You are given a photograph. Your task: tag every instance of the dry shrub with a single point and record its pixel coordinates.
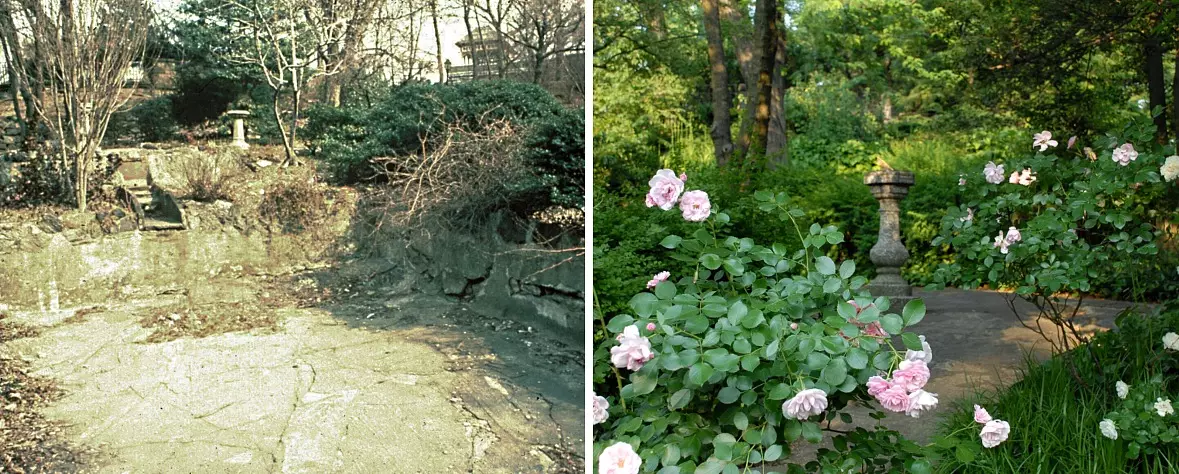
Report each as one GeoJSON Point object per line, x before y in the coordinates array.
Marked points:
{"type": "Point", "coordinates": [207, 175]}
{"type": "Point", "coordinates": [457, 178]}
{"type": "Point", "coordinates": [176, 322]}
{"type": "Point", "coordinates": [296, 202]}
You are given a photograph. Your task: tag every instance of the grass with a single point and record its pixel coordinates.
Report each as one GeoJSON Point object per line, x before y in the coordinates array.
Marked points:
{"type": "Point", "coordinates": [1054, 417]}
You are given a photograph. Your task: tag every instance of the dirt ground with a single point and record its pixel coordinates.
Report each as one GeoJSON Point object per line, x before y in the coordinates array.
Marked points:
{"type": "Point", "coordinates": [341, 375]}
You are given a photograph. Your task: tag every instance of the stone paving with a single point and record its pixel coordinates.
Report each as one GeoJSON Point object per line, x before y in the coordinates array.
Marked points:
{"type": "Point", "coordinates": [977, 344]}
{"type": "Point", "coordinates": [412, 384]}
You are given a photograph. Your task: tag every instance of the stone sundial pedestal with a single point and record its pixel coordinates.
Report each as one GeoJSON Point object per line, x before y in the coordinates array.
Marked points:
{"type": "Point", "coordinates": [239, 127]}
{"type": "Point", "coordinates": [889, 187]}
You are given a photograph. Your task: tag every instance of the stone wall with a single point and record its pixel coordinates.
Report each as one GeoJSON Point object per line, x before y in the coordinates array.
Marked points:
{"type": "Point", "coordinates": [520, 281]}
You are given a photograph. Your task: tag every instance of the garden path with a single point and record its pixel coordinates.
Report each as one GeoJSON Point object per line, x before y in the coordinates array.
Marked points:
{"type": "Point", "coordinates": [366, 384]}
{"type": "Point", "coordinates": [977, 344]}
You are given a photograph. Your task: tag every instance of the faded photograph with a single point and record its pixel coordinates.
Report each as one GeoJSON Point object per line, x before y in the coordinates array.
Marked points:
{"type": "Point", "coordinates": [298, 236]}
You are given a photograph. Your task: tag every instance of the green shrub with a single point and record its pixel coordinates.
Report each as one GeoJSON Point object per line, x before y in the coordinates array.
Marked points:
{"type": "Point", "coordinates": [412, 114]}
{"type": "Point", "coordinates": [1054, 419]}
{"type": "Point", "coordinates": [555, 152]}
{"type": "Point", "coordinates": [154, 120]}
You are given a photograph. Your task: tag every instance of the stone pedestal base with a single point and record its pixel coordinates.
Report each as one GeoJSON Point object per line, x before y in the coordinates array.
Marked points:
{"type": "Point", "coordinates": [893, 286]}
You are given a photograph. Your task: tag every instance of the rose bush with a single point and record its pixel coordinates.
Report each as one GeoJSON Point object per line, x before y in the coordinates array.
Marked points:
{"type": "Point", "coordinates": [753, 349]}
{"type": "Point", "coordinates": [1066, 221]}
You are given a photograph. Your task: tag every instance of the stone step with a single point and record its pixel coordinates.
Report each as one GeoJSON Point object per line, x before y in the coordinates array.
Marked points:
{"type": "Point", "coordinates": [154, 224]}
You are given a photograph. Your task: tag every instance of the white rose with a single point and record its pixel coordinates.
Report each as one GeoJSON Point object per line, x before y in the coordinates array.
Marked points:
{"type": "Point", "coordinates": [1122, 389]}
{"type": "Point", "coordinates": [920, 401]}
{"type": "Point", "coordinates": [1170, 169]}
{"type": "Point", "coordinates": [1108, 429]}
{"type": "Point", "coordinates": [600, 407]}
{"type": "Point", "coordinates": [806, 403]}
{"type": "Point", "coordinates": [1171, 341]}
{"type": "Point", "coordinates": [994, 432]}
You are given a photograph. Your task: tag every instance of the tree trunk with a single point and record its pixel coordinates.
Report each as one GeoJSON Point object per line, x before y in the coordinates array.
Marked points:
{"type": "Point", "coordinates": [1156, 86]}
{"type": "Point", "coordinates": [470, 38]}
{"type": "Point", "coordinates": [1175, 96]}
{"type": "Point", "coordinates": [776, 139]}
{"type": "Point", "coordinates": [437, 41]}
{"type": "Point", "coordinates": [721, 121]}
{"type": "Point", "coordinates": [287, 146]}
{"type": "Point", "coordinates": [767, 12]}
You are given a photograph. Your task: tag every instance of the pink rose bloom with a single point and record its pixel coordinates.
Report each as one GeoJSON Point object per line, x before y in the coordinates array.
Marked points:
{"type": "Point", "coordinates": [794, 326]}
{"type": "Point", "coordinates": [599, 409]}
{"type": "Point", "coordinates": [657, 279]}
{"type": "Point", "coordinates": [981, 415]}
{"type": "Point", "coordinates": [1124, 154]}
{"type": "Point", "coordinates": [925, 354]}
{"type": "Point", "coordinates": [968, 217]}
{"type": "Point", "coordinates": [877, 385]}
{"type": "Point", "coordinates": [632, 350]}
{"type": "Point", "coordinates": [650, 326]}
{"type": "Point", "coordinates": [684, 177]}
{"type": "Point", "coordinates": [1025, 177]}
{"type": "Point", "coordinates": [1072, 141]}
{"type": "Point", "coordinates": [1002, 243]}
{"type": "Point", "coordinates": [695, 206]}
{"type": "Point", "coordinates": [920, 401]}
{"type": "Point", "coordinates": [806, 403]}
{"type": "Point", "coordinates": [894, 399]}
{"type": "Point", "coordinates": [993, 173]}
{"type": "Point", "coordinates": [665, 190]}
{"type": "Point", "coordinates": [994, 432]}
{"type": "Point", "coordinates": [961, 181]}
{"type": "Point", "coordinates": [619, 458]}
{"type": "Point", "coordinates": [1043, 140]}
{"type": "Point", "coordinates": [912, 375]}
{"type": "Point", "coordinates": [1013, 235]}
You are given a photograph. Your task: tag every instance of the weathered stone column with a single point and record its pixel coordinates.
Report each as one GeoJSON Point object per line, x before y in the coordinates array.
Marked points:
{"type": "Point", "coordinates": [239, 127]}
{"type": "Point", "coordinates": [889, 254]}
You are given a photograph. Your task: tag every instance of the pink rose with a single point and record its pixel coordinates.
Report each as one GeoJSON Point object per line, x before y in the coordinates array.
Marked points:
{"type": "Point", "coordinates": [794, 326]}
{"type": "Point", "coordinates": [1072, 141]}
{"type": "Point", "coordinates": [874, 329]}
{"type": "Point", "coordinates": [993, 173]}
{"type": "Point", "coordinates": [650, 326]}
{"type": "Point", "coordinates": [961, 181]}
{"type": "Point", "coordinates": [981, 415]}
{"type": "Point", "coordinates": [1124, 154]}
{"type": "Point", "coordinates": [684, 177]}
{"type": "Point", "coordinates": [1025, 177]}
{"type": "Point", "coordinates": [619, 458]}
{"type": "Point", "coordinates": [665, 190]}
{"type": "Point", "coordinates": [994, 432]}
{"type": "Point", "coordinates": [695, 206]}
{"type": "Point", "coordinates": [894, 399]}
{"type": "Point", "coordinates": [877, 385]}
{"type": "Point", "coordinates": [1043, 140]}
{"type": "Point", "coordinates": [806, 403]}
{"type": "Point", "coordinates": [1002, 243]}
{"type": "Point", "coordinates": [912, 375]}
{"type": "Point", "coordinates": [632, 350]}
{"type": "Point", "coordinates": [921, 401]}
{"type": "Point", "coordinates": [599, 409]}
{"type": "Point", "coordinates": [1013, 235]}
{"type": "Point", "coordinates": [657, 279]}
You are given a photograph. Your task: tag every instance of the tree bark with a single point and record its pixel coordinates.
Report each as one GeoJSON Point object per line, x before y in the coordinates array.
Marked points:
{"type": "Point", "coordinates": [1175, 96]}
{"type": "Point", "coordinates": [767, 12]}
{"type": "Point", "coordinates": [721, 121]}
{"type": "Point", "coordinates": [776, 139]}
{"type": "Point", "coordinates": [1156, 85]}
{"type": "Point", "coordinates": [437, 41]}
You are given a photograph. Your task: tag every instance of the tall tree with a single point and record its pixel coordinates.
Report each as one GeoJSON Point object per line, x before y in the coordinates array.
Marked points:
{"type": "Point", "coordinates": [544, 29]}
{"type": "Point", "coordinates": [721, 130]}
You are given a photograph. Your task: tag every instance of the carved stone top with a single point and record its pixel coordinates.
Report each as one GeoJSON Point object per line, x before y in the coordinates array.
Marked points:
{"type": "Point", "coordinates": [238, 113]}
{"type": "Point", "coordinates": [895, 177]}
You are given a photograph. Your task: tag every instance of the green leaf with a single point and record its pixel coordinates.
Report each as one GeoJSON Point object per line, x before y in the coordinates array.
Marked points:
{"type": "Point", "coordinates": [857, 358]}
{"type": "Point", "coordinates": [643, 383]}
{"type": "Point", "coordinates": [964, 454]}
{"type": "Point", "coordinates": [825, 265]}
{"type": "Point", "coordinates": [835, 372]}
{"type": "Point", "coordinates": [921, 466]}
{"type": "Point", "coordinates": [773, 453]}
{"type": "Point", "coordinates": [620, 322]}
{"type": "Point", "coordinates": [712, 466]}
{"type": "Point", "coordinates": [671, 241]}
{"type": "Point", "coordinates": [846, 310]}
{"type": "Point", "coordinates": [892, 324]}
{"type": "Point", "coordinates": [811, 432]}
{"type": "Point", "coordinates": [728, 395]}
{"type": "Point", "coordinates": [644, 304]}
{"type": "Point", "coordinates": [737, 312]}
{"type": "Point", "coordinates": [772, 349]}
{"type": "Point", "coordinates": [846, 269]}
{"type": "Point", "coordinates": [679, 399]}
{"type": "Point", "coordinates": [741, 421]}
{"type": "Point", "coordinates": [671, 454]}
{"type": "Point", "coordinates": [779, 392]}
{"type": "Point", "coordinates": [914, 312]}
{"type": "Point", "coordinates": [832, 285]}
{"type": "Point", "coordinates": [750, 362]}
{"type": "Point", "coordinates": [710, 261]}
{"type": "Point", "coordinates": [665, 290]}
{"type": "Point", "coordinates": [700, 373]}
{"type": "Point", "coordinates": [911, 341]}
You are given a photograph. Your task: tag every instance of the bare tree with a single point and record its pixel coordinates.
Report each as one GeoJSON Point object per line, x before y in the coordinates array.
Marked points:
{"type": "Point", "coordinates": [497, 13]}
{"type": "Point", "coordinates": [351, 19]}
{"type": "Point", "coordinates": [75, 78]}
{"type": "Point", "coordinates": [547, 28]}
{"type": "Point", "coordinates": [284, 39]}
